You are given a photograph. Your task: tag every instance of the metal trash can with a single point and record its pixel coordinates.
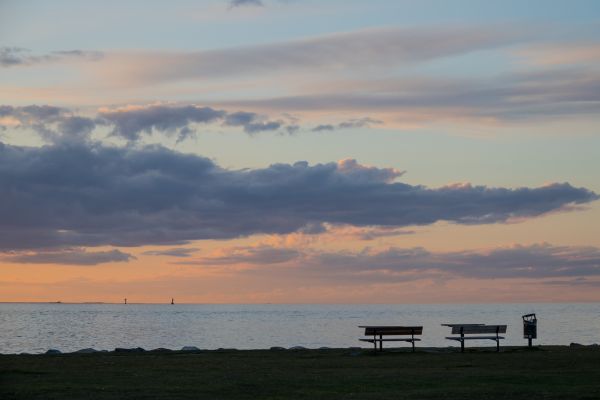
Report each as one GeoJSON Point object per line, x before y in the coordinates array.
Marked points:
{"type": "Point", "coordinates": [529, 327]}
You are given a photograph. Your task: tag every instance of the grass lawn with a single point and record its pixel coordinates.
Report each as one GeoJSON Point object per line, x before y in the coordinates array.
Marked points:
{"type": "Point", "coordinates": [545, 373]}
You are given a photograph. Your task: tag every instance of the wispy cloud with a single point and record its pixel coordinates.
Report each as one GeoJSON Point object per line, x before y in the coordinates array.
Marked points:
{"type": "Point", "coordinates": [240, 3]}
{"type": "Point", "coordinates": [76, 256]}
{"type": "Point", "coordinates": [18, 56]}
{"type": "Point", "coordinates": [536, 261]}
{"type": "Point", "coordinates": [259, 255]}
{"type": "Point", "coordinates": [510, 97]}
{"type": "Point", "coordinates": [180, 252]}
{"type": "Point", "coordinates": [384, 48]}
{"type": "Point", "coordinates": [349, 124]}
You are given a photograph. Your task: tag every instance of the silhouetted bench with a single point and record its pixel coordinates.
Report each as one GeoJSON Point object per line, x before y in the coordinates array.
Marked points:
{"type": "Point", "coordinates": [378, 333]}
{"type": "Point", "coordinates": [476, 329]}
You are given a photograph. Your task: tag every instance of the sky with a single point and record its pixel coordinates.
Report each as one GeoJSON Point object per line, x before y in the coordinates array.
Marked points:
{"type": "Point", "coordinates": [300, 151]}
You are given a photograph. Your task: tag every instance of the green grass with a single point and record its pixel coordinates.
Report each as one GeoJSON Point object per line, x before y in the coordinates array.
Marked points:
{"type": "Point", "coordinates": [546, 373]}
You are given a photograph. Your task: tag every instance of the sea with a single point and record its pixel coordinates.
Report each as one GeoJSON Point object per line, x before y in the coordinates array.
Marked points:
{"type": "Point", "coordinates": [37, 327]}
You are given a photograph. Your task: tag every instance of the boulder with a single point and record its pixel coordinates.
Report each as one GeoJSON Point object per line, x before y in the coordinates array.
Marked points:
{"type": "Point", "coordinates": [298, 348]}
{"type": "Point", "coordinates": [53, 351]}
{"type": "Point", "coordinates": [86, 351]}
{"type": "Point", "coordinates": [190, 348]}
{"type": "Point", "coordinates": [135, 350]}
{"type": "Point", "coordinates": [575, 345]}
{"type": "Point", "coordinates": [161, 350]}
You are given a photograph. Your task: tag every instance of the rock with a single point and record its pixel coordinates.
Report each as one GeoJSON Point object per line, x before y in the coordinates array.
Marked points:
{"type": "Point", "coordinates": [277, 348]}
{"type": "Point", "coordinates": [190, 348]}
{"type": "Point", "coordinates": [161, 349]}
{"type": "Point", "coordinates": [86, 351]}
{"type": "Point", "coordinates": [575, 345]}
{"type": "Point", "coordinates": [298, 348]}
{"type": "Point", "coordinates": [53, 351]}
{"type": "Point", "coordinates": [136, 350]}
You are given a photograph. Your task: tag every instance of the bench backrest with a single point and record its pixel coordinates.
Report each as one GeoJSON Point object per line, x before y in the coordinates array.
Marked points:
{"type": "Point", "coordinates": [466, 329]}
{"type": "Point", "coordinates": [393, 330]}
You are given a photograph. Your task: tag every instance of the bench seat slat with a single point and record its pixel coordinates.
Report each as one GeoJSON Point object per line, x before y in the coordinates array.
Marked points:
{"type": "Point", "coordinates": [387, 340]}
{"type": "Point", "coordinates": [469, 329]}
{"type": "Point", "coordinates": [473, 337]}
{"type": "Point", "coordinates": [393, 330]}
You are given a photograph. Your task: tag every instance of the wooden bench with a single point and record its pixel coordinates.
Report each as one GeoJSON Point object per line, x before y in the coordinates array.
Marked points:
{"type": "Point", "coordinates": [476, 329]}
{"type": "Point", "coordinates": [378, 333]}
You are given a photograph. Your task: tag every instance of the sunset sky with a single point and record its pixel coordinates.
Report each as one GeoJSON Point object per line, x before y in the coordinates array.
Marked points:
{"type": "Point", "coordinates": [300, 151]}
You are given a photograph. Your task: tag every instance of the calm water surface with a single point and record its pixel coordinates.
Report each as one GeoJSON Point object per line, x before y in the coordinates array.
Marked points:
{"type": "Point", "coordinates": [34, 328]}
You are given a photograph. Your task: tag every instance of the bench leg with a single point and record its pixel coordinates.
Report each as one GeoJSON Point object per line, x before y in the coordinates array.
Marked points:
{"type": "Point", "coordinates": [413, 345]}
{"type": "Point", "coordinates": [462, 346]}
{"type": "Point", "coordinates": [497, 345]}
{"type": "Point", "coordinates": [380, 343]}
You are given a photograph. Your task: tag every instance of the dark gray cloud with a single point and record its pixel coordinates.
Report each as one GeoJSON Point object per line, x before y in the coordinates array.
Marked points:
{"type": "Point", "coordinates": [69, 257]}
{"type": "Point", "coordinates": [18, 56]}
{"type": "Point", "coordinates": [358, 123]}
{"type": "Point", "coordinates": [83, 194]}
{"type": "Point", "coordinates": [52, 123]}
{"type": "Point", "coordinates": [172, 120]}
{"type": "Point", "coordinates": [349, 124]}
{"type": "Point", "coordinates": [252, 122]}
{"type": "Point", "coordinates": [182, 252]}
{"type": "Point", "coordinates": [530, 262]}
{"type": "Point", "coordinates": [33, 114]}
{"type": "Point", "coordinates": [323, 127]}
{"type": "Point", "coordinates": [240, 3]}
{"type": "Point", "coordinates": [56, 124]}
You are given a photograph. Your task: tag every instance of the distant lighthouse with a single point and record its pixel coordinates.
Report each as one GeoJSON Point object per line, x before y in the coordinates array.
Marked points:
{"type": "Point", "coordinates": [172, 300]}
{"type": "Point", "coordinates": [125, 301]}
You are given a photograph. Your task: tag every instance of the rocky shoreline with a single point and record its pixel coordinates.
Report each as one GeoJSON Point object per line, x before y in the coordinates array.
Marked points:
{"type": "Point", "coordinates": [194, 349]}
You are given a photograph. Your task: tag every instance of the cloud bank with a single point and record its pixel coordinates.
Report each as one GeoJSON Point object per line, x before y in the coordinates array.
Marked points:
{"type": "Point", "coordinates": [80, 194]}
{"type": "Point", "coordinates": [536, 261]}
{"type": "Point", "coordinates": [131, 123]}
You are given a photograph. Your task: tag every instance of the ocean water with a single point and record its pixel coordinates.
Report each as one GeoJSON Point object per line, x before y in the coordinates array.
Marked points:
{"type": "Point", "coordinates": [34, 328]}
